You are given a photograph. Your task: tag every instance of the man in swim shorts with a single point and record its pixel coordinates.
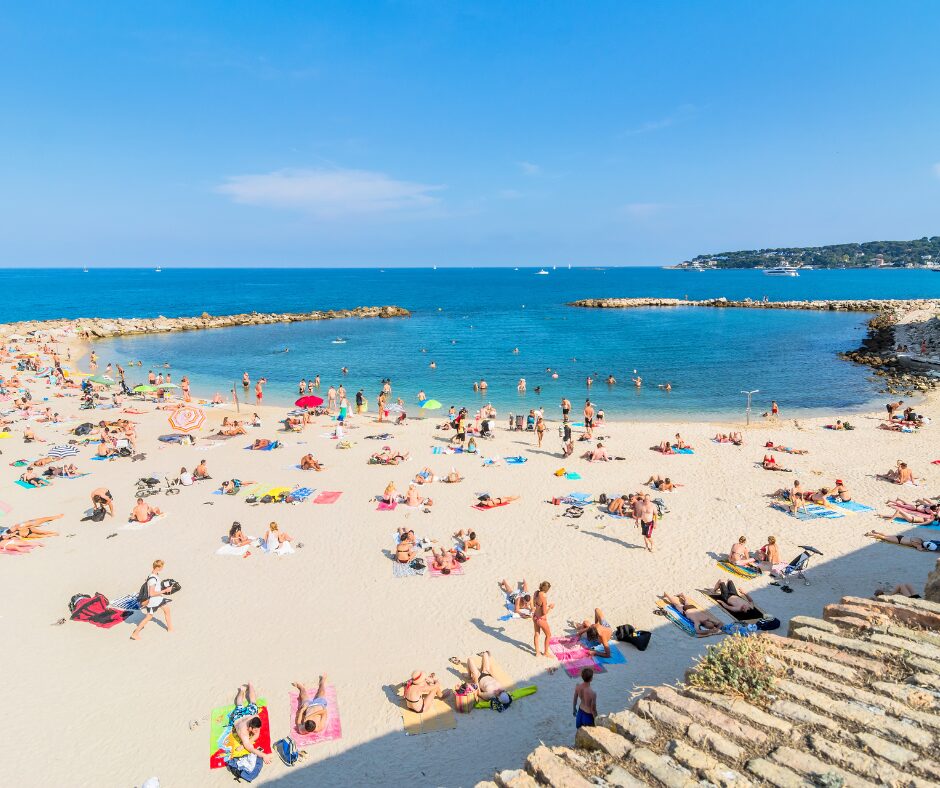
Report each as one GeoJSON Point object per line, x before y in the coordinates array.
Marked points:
{"type": "Point", "coordinates": [245, 721]}
{"type": "Point", "coordinates": [312, 710]}
{"type": "Point", "coordinates": [598, 633]}
{"type": "Point", "coordinates": [489, 687]}
{"type": "Point", "coordinates": [585, 700]}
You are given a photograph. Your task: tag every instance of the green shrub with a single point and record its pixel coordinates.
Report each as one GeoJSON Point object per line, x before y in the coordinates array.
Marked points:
{"type": "Point", "coordinates": [738, 665]}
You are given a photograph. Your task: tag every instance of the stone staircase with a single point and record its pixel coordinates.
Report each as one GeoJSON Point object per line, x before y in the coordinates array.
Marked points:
{"type": "Point", "coordinates": [857, 703]}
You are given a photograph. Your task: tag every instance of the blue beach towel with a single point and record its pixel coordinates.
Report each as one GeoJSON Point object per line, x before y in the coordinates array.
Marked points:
{"type": "Point", "coordinates": [26, 486]}
{"type": "Point", "coordinates": [683, 451]}
{"type": "Point", "coordinates": [271, 445]}
{"type": "Point", "coordinates": [301, 493]}
{"type": "Point", "coordinates": [616, 655]}
{"type": "Point", "coordinates": [850, 506]}
{"type": "Point", "coordinates": [96, 458]}
{"type": "Point", "coordinates": [436, 450]}
{"type": "Point", "coordinates": [573, 476]}
{"type": "Point", "coordinates": [517, 460]}
{"type": "Point", "coordinates": [902, 521]}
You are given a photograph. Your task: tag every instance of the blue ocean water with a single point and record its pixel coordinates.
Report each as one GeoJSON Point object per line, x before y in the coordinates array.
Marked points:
{"type": "Point", "coordinates": [469, 321]}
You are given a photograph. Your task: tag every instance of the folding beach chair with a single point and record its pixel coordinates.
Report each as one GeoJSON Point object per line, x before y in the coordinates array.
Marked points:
{"type": "Point", "coordinates": [797, 566]}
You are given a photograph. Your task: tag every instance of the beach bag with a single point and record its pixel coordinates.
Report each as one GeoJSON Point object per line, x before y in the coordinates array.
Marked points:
{"type": "Point", "coordinates": [266, 499]}
{"type": "Point", "coordinates": [417, 563]}
{"type": "Point", "coordinates": [83, 429]}
{"type": "Point", "coordinates": [246, 768]}
{"type": "Point", "coordinates": [767, 624]}
{"type": "Point", "coordinates": [602, 499]}
{"type": "Point", "coordinates": [73, 602]}
{"type": "Point", "coordinates": [574, 512]}
{"type": "Point", "coordinates": [637, 638]}
{"type": "Point", "coordinates": [465, 697]}
{"type": "Point", "coordinates": [287, 750]}
{"type": "Point", "coordinates": [97, 515]}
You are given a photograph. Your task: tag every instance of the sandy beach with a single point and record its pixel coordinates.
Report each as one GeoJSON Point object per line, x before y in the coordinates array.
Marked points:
{"type": "Point", "coordinates": [141, 709]}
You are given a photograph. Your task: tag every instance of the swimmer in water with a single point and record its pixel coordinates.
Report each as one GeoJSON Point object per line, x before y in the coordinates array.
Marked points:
{"type": "Point", "coordinates": [433, 365]}
{"type": "Point", "coordinates": [515, 350]}
{"type": "Point", "coordinates": [666, 386]}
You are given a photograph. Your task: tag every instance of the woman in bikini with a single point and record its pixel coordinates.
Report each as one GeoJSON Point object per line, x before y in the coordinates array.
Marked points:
{"type": "Point", "coordinates": [418, 689]}
{"type": "Point", "coordinates": [404, 550]}
{"type": "Point", "coordinates": [235, 536]}
{"type": "Point", "coordinates": [486, 502]}
{"type": "Point", "coordinates": [540, 609]}
{"type": "Point", "coordinates": [924, 545]}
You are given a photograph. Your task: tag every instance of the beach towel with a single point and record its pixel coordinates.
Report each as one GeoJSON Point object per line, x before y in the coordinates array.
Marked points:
{"type": "Point", "coordinates": [96, 458]}
{"type": "Point", "coordinates": [271, 445]}
{"type": "Point", "coordinates": [850, 506]}
{"type": "Point", "coordinates": [334, 727]}
{"type": "Point", "coordinates": [682, 451]}
{"type": "Point", "coordinates": [76, 476]}
{"type": "Point", "coordinates": [457, 570]}
{"type": "Point", "coordinates": [328, 496]}
{"type": "Point", "coordinates": [616, 655]}
{"type": "Point", "coordinates": [135, 526]}
{"type": "Point", "coordinates": [126, 602]}
{"type": "Point", "coordinates": [567, 649]}
{"type": "Point", "coordinates": [386, 507]}
{"type": "Point", "coordinates": [745, 572]}
{"type": "Point", "coordinates": [487, 508]}
{"type": "Point", "coordinates": [224, 745]}
{"type": "Point", "coordinates": [436, 450]}
{"type": "Point", "coordinates": [28, 486]}
{"type": "Point", "coordinates": [285, 548]}
{"type": "Point", "coordinates": [229, 549]}
{"type": "Point", "coordinates": [6, 435]}
{"type": "Point", "coordinates": [902, 521]}
{"type": "Point", "coordinates": [404, 570]}
{"type": "Point", "coordinates": [812, 512]}
{"type": "Point", "coordinates": [437, 716]}
{"type": "Point", "coordinates": [572, 475]}
{"type": "Point", "coordinates": [517, 460]}
{"type": "Point", "coordinates": [301, 493]}
{"type": "Point", "coordinates": [578, 499]}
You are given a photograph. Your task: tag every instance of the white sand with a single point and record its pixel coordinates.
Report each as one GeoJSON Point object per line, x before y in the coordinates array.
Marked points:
{"type": "Point", "coordinates": [90, 707]}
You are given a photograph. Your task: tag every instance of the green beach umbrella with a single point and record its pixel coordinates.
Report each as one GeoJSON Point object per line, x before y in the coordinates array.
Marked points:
{"type": "Point", "coordinates": [103, 380]}
{"type": "Point", "coordinates": [431, 404]}
{"type": "Point", "coordinates": [144, 388]}
{"type": "Point", "coordinates": [167, 386]}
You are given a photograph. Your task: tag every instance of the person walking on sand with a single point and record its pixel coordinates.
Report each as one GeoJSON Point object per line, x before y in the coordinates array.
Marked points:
{"type": "Point", "coordinates": [157, 598]}
{"type": "Point", "coordinates": [540, 609]}
{"type": "Point", "coordinates": [565, 409]}
{"type": "Point", "coordinates": [540, 430]}
{"type": "Point", "coordinates": [312, 709]}
{"type": "Point", "coordinates": [644, 512]}
{"type": "Point", "coordinates": [584, 706]}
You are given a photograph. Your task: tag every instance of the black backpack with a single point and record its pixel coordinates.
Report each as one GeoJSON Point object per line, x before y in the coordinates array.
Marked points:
{"type": "Point", "coordinates": [83, 429]}
{"type": "Point", "coordinates": [144, 593]}
{"type": "Point", "coordinates": [638, 638]}
{"type": "Point", "coordinates": [73, 602]}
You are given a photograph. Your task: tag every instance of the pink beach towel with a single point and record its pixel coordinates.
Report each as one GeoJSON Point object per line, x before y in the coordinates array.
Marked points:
{"type": "Point", "coordinates": [334, 727]}
{"type": "Point", "coordinates": [573, 667]}
{"type": "Point", "coordinates": [327, 496]}
{"type": "Point", "coordinates": [487, 508]}
{"type": "Point", "coordinates": [457, 570]}
{"type": "Point", "coordinates": [568, 649]}
{"type": "Point", "coordinates": [386, 507]}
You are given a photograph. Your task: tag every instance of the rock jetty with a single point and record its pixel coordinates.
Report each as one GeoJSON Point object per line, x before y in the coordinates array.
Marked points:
{"type": "Point", "coordinates": [100, 328]}
{"type": "Point", "coordinates": [904, 323]}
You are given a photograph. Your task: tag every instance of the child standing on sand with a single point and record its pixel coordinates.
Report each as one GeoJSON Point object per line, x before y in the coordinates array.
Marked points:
{"type": "Point", "coordinates": [585, 696]}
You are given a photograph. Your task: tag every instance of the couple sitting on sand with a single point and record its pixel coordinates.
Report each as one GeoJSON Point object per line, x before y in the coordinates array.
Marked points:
{"type": "Point", "coordinates": [419, 689]}
{"type": "Point", "coordinates": [767, 557]}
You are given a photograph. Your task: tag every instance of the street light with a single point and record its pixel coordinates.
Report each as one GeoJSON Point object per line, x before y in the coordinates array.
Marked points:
{"type": "Point", "coordinates": [748, 411]}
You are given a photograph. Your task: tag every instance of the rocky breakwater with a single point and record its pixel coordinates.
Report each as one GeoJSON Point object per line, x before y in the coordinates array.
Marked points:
{"type": "Point", "coordinates": [100, 328]}
{"type": "Point", "coordinates": [896, 322]}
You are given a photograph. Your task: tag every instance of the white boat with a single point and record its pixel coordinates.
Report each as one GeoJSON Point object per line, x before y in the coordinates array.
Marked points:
{"type": "Point", "coordinates": [157, 270]}
{"type": "Point", "coordinates": [782, 270]}
{"type": "Point", "coordinates": [696, 267]}
{"type": "Point", "coordinates": [84, 270]}
{"type": "Point", "coordinates": [807, 268]}
{"type": "Point", "coordinates": [339, 341]}
{"type": "Point", "coordinates": [542, 272]}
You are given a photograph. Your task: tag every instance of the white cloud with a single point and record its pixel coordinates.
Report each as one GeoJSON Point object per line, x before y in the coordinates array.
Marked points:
{"type": "Point", "coordinates": [936, 169]}
{"type": "Point", "coordinates": [641, 210]}
{"type": "Point", "coordinates": [330, 193]}
{"type": "Point", "coordinates": [528, 168]}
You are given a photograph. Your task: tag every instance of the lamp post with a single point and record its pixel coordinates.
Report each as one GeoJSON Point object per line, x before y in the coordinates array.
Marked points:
{"type": "Point", "coordinates": [747, 412]}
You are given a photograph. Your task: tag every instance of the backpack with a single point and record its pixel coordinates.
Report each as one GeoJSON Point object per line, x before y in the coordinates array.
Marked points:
{"type": "Point", "coordinates": [417, 563]}
{"type": "Point", "coordinates": [246, 768]}
{"type": "Point", "coordinates": [83, 429]}
{"type": "Point", "coordinates": [638, 638]}
{"type": "Point", "coordinates": [287, 750]}
{"type": "Point", "coordinates": [95, 610]}
{"type": "Point", "coordinates": [98, 515]}
{"type": "Point", "coordinates": [73, 602]}
{"type": "Point", "coordinates": [124, 452]}
{"type": "Point", "coordinates": [144, 593]}
{"type": "Point", "coordinates": [766, 624]}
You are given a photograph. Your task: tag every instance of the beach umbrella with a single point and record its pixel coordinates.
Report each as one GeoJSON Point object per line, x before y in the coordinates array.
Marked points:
{"type": "Point", "coordinates": [60, 452]}
{"type": "Point", "coordinates": [143, 388]}
{"type": "Point", "coordinates": [431, 404]}
{"type": "Point", "coordinates": [187, 419]}
{"type": "Point", "coordinates": [310, 401]}
{"type": "Point", "coordinates": [103, 380]}
{"type": "Point", "coordinates": [166, 386]}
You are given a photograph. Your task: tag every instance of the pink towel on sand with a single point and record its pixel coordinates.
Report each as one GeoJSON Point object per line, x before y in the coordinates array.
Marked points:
{"type": "Point", "coordinates": [334, 727]}
{"type": "Point", "coordinates": [487, 508]}
{"type": "Point", "coordinates": [386, 507]}
{"type": "Point", "coordinates": [567, 649]}
{"type": "Point", "coordinates": [327, 496]}
{"type": "Point", "coordinates": [573, 667]}
{"type": "Point", "coordinates": [457, 570]}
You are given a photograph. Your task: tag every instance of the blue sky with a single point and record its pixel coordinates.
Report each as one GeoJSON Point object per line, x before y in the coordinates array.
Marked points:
{"type": "Point", "coordinates": [478, 133]}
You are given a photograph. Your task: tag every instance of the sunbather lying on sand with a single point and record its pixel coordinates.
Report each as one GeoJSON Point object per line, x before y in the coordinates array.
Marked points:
{"type": "Point", "coordinates": [662, 484]}
{"type": "Point", "coordinates": [920, 506]}
{"type": "Point", "coordinates": [488, 686]}
{"type": "Point", "coordinates": [308, 463]}
{"type": "Point", "coordinates": [419, 689]}
{"type": "Point", "coordinates": [487, 502]}
{"type": "Point", "coordinates": [312, 709]}
{"type": "Point", "coordinates": [901, 589]}
{"type": "Point", "coordinates": [731, 599]}
{"type": "Point", "coordinates": [917, 518]}
{"type": "Point", "coordinates": [260, 444]}
{"type": "Point", "coordinates": [520, 599]}
{"type": "Point", "coordinates": [424, 476]}
{"type": "Point", "coordinates": [467, 539]}
{"type": "Point", "coordinates": [33, 478]}
{"type": "Point", "coordinates": [233, 486]}
{"type": "Point", "coordinates": [143, 513]}
{"type": "Point", "coordinates": [443, 560]}
{"type": "Point", "coordinates": [387, 457]}
{"type": "Point", "coordinates": [786, 449]}
{"type": "Point", "coordinates": [735, 437]}
{"type": "Point", "coordinates": [598, 632]}
{"type": "Point", "coordinates": [924, 545]}
{"type": "Point", "coordinates": [666, 447]}
{"type": "Point", "coordinates": [769, 463]}
{"type": "Point", "coordinates": [704, 623]}
{"type": "Point", "coordinates": [245, 721]}
{"type": "Point", "coordinates": [452, 477]}
{"type": "Point", "coordinates": [29, 528]}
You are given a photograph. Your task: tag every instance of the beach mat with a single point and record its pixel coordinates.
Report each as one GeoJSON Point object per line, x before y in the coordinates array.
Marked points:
{"type": "Point", "coordinates": [517, 460]}
{"type": "Point", "coordinates": [567, 649]}
{"type": "Point", "coordinates": [404, 570]}
{"type": "Point", "coordinates": [334, 726]}
{"type": "Point", "coordinates": [437, 716]}
{"type": "Point", "coordinates": [27, 486]}
{"type": "Point", "coordinates": [738, 571]}
{"type": "Point", "coordinates": [487, 508]}
{"type": "Point", "coordinates": [902, 521]}
{"type": "Point", "coordinates": [676, 617]}
{"type": "Point", "coordinates": [850, 506]}
{"type": "Point", "coordinates": [386, 507]}
{"type": "Point", "coordinates": [457, 570]}
{"type": "Point", "coordinates": [812, 512]}
{"type": "Point", "coordinates": [328, 496]}
{"type": "Point", "coordinates": [222, 739]}
{"type": "Point", "coordinates": [750, 615]}
{"type": "Point", "coordinates": [228, 549]}
{"type": "Point", "coordinates": [495, 671]}
{"type": "Point", "coordinates": [616, 655]}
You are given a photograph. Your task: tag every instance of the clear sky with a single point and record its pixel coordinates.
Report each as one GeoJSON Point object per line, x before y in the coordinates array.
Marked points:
{"type": "Point", "coordinates": [510, 132]}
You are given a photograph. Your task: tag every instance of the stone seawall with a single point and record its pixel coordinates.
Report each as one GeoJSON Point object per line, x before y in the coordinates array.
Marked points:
{"type": "Point", "coordinates": [100, 328]}
{"type": "Point", "coordinates": [848, 305]}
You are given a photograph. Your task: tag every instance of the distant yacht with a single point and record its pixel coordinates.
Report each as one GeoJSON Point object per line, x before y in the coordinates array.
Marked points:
{"type": "Point", "coordinates": [542, 272]}
{"type": "Point", "coordinates": [696, 267]}
{"type": "Point", "coordinates": [84, 270]}
{"type": "Point", "coordinates": [782, 270]}
{"type": "Point", "coordinates": [339, 341]}
{"type": "Point", "coordinates": [157, 270]}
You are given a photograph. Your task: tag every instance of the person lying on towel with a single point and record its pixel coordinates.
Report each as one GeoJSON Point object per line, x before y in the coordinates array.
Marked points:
{"type": "Point", "coordinates": [731, 599]}
{"type": "Point", "coordinates": [598, 633]}
{"type": "Point", "coordinates": [704, 623]}
{"type": "Point", "coordinates": [487, 502]}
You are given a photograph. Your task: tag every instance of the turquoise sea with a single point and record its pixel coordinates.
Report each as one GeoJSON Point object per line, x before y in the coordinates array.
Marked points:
{"type": "Point", "coordinates": [469, 321]}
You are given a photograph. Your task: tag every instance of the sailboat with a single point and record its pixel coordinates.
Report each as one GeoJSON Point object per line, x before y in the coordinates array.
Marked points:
{"type": "Point", "coordinates": [542, 272]}
{"type": "Point", "coordinates": [84, 270]}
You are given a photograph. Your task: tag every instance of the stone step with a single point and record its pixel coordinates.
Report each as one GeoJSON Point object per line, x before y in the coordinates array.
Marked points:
{"type": "Point", "coordinates": [618, 777]}
{"type": "Point", "coordinates": [914, 604]}
{"type": "Point", "coordinates": [548, 769]}
{"type": "Point", "coordinates": [775, 774]}
{"type": "Point", "coordinates": [710, 716]}
{"type": "Point", "coordinates": [810, 766]}
{"type": "Point", "coordinates": [853, 760]}
{"type": "Point", "coordinates": [741, 708]}
{"type": "Point", "coordinates": [815, 623]}
{"type": "Point", "coordinates": [797, 657]}
{"type": "Point", "coordinates": [825, 638]}
{"type": "Point", "coordinates": [929, 680]}
{"type": "Point", "coordinates": [663, 769]}
{"type": "Point", "coordinates": [889, 751]}
{"type": "Point", "coordinates": [849, 712]}
{"type": "Point", "coordinates": [921, 698]}
{"type": "Point", "coordinates": [705, 765]}
{"type": "Point", "coordinates": [924, 664]}
{"type": "Point", "coordinates": [906, 615]}
{"type": "Point", "coordinates": [856, 661]}
{"type": "Point", "coordinates": [682, 724]}
{"type": "Point", "coordinates": [907, 644]}
{"type": "Point", "coordinates": [797, 712]}
{"type": "Point", "coordinates": [604, 740]}
{"type": "Point", "coordinates": [628, 724]}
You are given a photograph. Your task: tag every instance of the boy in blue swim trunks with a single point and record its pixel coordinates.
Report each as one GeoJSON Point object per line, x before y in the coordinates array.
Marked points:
{"type": "Point", "coordinates": [312, 711]}
{"type": "Point", "coordinates": [585, 700]}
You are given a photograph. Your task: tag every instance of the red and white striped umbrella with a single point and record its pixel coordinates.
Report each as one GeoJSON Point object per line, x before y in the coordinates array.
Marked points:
{"type": "Point", "coordinates": [187, 418]}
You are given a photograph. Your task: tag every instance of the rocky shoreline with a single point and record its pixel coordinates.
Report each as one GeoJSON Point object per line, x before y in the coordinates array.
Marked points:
{"type": "Point", "coordinates": [101, 328]}
{"type": "Point", "coordinates": [895, 322]}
